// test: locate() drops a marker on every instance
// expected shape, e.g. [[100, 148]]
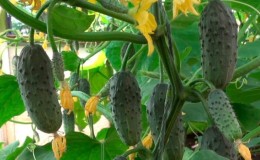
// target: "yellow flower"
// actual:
[[132, 155], [13, 2], [243, 150], [91, 105], [148, 141], [184, 6], [66, 98], [92, 1], [146, 21], [66, 47], [58, 146], [45, 44], [35, 3]]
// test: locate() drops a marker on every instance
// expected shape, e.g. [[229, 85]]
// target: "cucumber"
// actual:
[[223, 115], [126, 107], [37, 88], [218, 34]]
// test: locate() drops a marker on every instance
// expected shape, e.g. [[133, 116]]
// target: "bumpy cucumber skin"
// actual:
[[36, 84], [58, 66], [126, 107], [69, 121], [223, 115], [84, 86], [14, 64], [218, 33], [214, 140], [74, 78], [155, 109], [174, 149]]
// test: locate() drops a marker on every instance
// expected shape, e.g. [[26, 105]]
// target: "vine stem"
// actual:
[[124, 63], [246, 68], [245, 4], [50, 26], [19, 122], [96, 8], [39, 13], [208, 83], [85, 36], [91, 126]]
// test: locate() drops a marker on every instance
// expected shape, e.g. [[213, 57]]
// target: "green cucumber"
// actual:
[[126, 107], [223, 115], [214, 140], [218, 34], [37, 88]]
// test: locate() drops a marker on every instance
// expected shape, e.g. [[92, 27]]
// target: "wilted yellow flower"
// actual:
[[58, 146], [148, 141], [66, 98], [92, 1], [35, 3], [184, 6], [146, 21], [13, 2], [45, 44], [66, 47], [243, 150], [91, 105], [132, 155]]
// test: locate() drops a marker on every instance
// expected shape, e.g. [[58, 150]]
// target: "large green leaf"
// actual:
[[248, 116], [5, 152], [41, 153], [11, 103], [98, 77], [19, 150], [70, 20], [113, 54], [82, 147], [249, 50], [206, 155], [71, 60], [111, 142]]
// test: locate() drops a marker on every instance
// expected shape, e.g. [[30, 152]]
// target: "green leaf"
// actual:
[[183, 21], [41, 153], [71, 60], [206, 155], [98, 77], [246, 95], [11, 103], [70, 20], [249, 50], [247, 115], [5, 152], [79, 113], [111, 142], [194, 112], [113, 54], [19, 150]]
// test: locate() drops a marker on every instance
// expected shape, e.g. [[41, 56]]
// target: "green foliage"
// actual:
[[70, 20], [11, 103], [71, 60]]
